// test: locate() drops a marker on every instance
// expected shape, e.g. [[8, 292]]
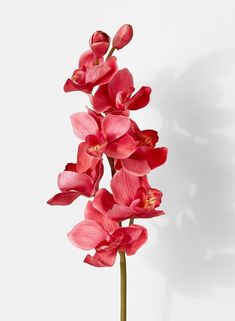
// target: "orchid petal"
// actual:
[[92, 213], [140, 99], [87, 234], [103, 73], [136, 167], [121, 212], [84, 160], [83, 125], [70, 85], [86, 59], [81, 183], [103, 200], [121, 148], [156, 157], [97, 116], [64, 198], [143, 213], [102, 259], [101, 101], [97, 174], [124, 187], [122, 81], [134, 237], [115, 126]]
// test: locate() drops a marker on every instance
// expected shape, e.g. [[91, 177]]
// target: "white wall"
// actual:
[[186, 51]]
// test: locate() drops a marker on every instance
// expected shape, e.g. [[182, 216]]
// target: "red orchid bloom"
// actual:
[[107, 135], [103, 234], [134, 197], [90, 74], [116, 96], [78, 179], [146, 157]]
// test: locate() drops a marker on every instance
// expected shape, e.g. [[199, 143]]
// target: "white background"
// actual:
[[186, 51]]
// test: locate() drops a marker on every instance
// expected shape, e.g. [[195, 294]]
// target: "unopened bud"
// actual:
[[123, 37], [99, 43]]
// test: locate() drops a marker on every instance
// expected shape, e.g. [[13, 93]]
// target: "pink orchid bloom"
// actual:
[[146, 157], [103, 234], [89, 74], [78, 179], [107, 135], [116, 96], [134, 197]]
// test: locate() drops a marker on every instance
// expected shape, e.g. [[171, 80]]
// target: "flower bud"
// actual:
[[123, 37], [99, 43]]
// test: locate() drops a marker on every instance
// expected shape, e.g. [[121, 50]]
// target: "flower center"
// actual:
[[96, 150], [146, 140], [78, 76], [150, 200]]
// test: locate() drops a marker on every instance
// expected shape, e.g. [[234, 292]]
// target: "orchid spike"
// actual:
[[106, 129]]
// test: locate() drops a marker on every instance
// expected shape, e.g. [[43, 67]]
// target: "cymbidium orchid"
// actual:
[[109, 136], [134, 197], [81, 178], [107, 130], [116, 96], [90, 74], [146, 157], [98, 231]]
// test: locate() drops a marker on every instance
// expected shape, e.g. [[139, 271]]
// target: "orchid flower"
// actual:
[[116, 96], [146, 157], [78, 179], [103, 234], [109, 135], [134, 197], [90, 74]]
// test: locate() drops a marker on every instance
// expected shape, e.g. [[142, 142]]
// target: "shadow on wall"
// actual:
[[195, 251]]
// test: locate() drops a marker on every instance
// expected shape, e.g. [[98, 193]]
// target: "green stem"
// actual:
[[123, 286], [110, 52], [122, 262]]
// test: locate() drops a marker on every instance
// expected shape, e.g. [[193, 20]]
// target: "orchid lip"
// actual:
[[96, 150], [150, 201], [145, 140], [78, 76]]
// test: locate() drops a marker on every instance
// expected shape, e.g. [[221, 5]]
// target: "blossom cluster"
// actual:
[[106, 129]]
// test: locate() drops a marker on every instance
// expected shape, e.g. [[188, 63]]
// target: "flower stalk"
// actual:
[[110, 52], [109, 225], [123, 272], [123, 286]]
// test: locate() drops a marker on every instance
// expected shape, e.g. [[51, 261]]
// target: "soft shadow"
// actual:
[[195, 250]]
